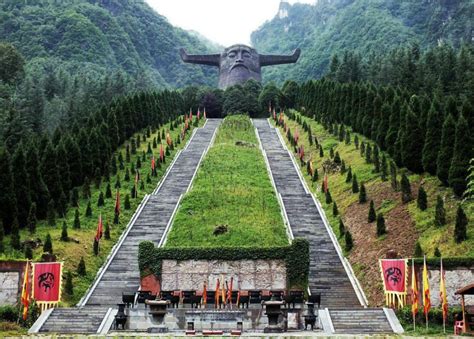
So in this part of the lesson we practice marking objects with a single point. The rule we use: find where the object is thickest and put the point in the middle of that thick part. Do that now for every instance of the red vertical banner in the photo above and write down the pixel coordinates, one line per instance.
(394, 276)
(47, 282)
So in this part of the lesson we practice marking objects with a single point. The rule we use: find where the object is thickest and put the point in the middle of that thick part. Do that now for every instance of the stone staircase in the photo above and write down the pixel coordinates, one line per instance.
(327, 275)
(361, 321)
(74, 320)
(120, 273)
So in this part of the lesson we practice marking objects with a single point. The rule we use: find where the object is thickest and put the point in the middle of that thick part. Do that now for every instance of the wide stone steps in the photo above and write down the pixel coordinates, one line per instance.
(360, 321)
(74, 320)
(122, 273)
(327, 273)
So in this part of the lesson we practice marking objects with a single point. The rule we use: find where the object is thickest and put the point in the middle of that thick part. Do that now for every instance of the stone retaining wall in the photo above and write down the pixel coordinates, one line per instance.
(11, 279)
(247, 274)
(455, 279)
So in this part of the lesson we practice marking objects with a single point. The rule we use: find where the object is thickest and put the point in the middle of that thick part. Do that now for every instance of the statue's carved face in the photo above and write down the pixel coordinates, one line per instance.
(240, 60)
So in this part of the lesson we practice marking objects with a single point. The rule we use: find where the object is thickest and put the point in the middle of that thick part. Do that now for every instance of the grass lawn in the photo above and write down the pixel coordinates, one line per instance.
(231, 188)
(80, 242)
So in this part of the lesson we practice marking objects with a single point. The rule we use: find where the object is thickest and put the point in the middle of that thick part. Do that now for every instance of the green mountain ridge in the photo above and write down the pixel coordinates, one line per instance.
(105, 35)
(367, 27)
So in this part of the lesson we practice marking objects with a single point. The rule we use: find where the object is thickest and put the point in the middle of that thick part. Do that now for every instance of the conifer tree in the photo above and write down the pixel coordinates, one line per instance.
(8, 210)
(81, 267)
(355, 185)
(337, 158)
(356, 141)
(64, 234)
(107, 231)
(50, 172)
(381, 230)
(412, 143)
(335, 211)
(349, 175)
(127, 175)
(100, 201)
(89, 209)
(149, 151)
(95, 247)
(127, 202)
(62, 204)
(154, 143)
(48, 244)
(77, 220)
(362, 149)
(368, 154)
(445, 153)
(343, 166)
(133, 149)
(28, 252)
(437, 253)
(348, 240)
(383, 126)
(393, 126)
(432, 139)
(321, 152)
(86, 189)
(120, 161)
(418, 250)
(127, 153)
(362, 194)
(342, 228)
(383, 168)
(405, 188)
(372, 214)
(328, 197)
(39, 191)
(331, 152)
(393, 176)
(440, 212)
(117, 182)
(139, 163)
(142, 185)
(315, 175)
(348, 138)
(376, 159)
(51, 213)
(68, 286)
(460, 228)
(15, 235)
(31, 222)
(108, 191)
(462, 153)
(422, 201)
(21, 189)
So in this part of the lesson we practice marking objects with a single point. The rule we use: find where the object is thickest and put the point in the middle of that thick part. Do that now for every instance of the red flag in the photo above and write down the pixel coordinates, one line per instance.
(162, 153)
(98, 234)
(274, 115)
(325, 183)
(47, 282)
(205, 113)
(117, 203)
(153, 164)
(297, 135)
(301, 152)
(168, 139)
(198, 114)
(191, 116)
(269, 107)
(25, 291)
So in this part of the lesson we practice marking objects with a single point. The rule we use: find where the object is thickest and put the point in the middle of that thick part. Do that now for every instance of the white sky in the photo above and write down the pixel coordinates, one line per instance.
(222, 21)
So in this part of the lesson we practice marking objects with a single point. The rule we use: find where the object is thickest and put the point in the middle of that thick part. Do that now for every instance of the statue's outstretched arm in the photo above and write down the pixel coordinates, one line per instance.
(203, 59)
(268, 60)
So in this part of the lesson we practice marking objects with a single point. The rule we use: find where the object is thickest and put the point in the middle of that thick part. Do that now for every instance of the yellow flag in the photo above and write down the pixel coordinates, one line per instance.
(426, 289)
(442, 293)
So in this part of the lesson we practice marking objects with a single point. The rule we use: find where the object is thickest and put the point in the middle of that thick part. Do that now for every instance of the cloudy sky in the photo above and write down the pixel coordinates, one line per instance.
(222, 21)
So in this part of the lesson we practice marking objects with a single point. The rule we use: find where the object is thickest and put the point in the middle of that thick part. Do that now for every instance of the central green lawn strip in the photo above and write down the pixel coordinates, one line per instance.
(232, 189)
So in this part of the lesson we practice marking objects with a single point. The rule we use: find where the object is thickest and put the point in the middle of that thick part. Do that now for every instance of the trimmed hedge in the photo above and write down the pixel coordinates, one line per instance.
(435, 316)
(447, 262)
(296, 257)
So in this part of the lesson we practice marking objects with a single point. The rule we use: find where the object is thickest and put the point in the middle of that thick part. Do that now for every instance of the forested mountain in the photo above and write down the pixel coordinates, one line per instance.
(368, 28)
(62, 59)
(111, 34)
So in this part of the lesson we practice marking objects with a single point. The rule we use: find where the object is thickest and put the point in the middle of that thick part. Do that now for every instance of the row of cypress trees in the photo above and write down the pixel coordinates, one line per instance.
(419, 132)
(40, 173)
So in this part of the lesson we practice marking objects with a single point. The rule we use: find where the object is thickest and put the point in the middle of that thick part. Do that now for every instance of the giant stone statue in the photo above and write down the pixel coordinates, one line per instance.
(239, 63)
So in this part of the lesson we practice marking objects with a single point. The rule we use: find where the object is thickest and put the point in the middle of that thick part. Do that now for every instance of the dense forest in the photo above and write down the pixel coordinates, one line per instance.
(369, 28)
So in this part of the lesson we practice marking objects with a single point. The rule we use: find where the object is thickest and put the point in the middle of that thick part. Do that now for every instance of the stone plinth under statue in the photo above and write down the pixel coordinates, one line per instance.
(239, 63)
